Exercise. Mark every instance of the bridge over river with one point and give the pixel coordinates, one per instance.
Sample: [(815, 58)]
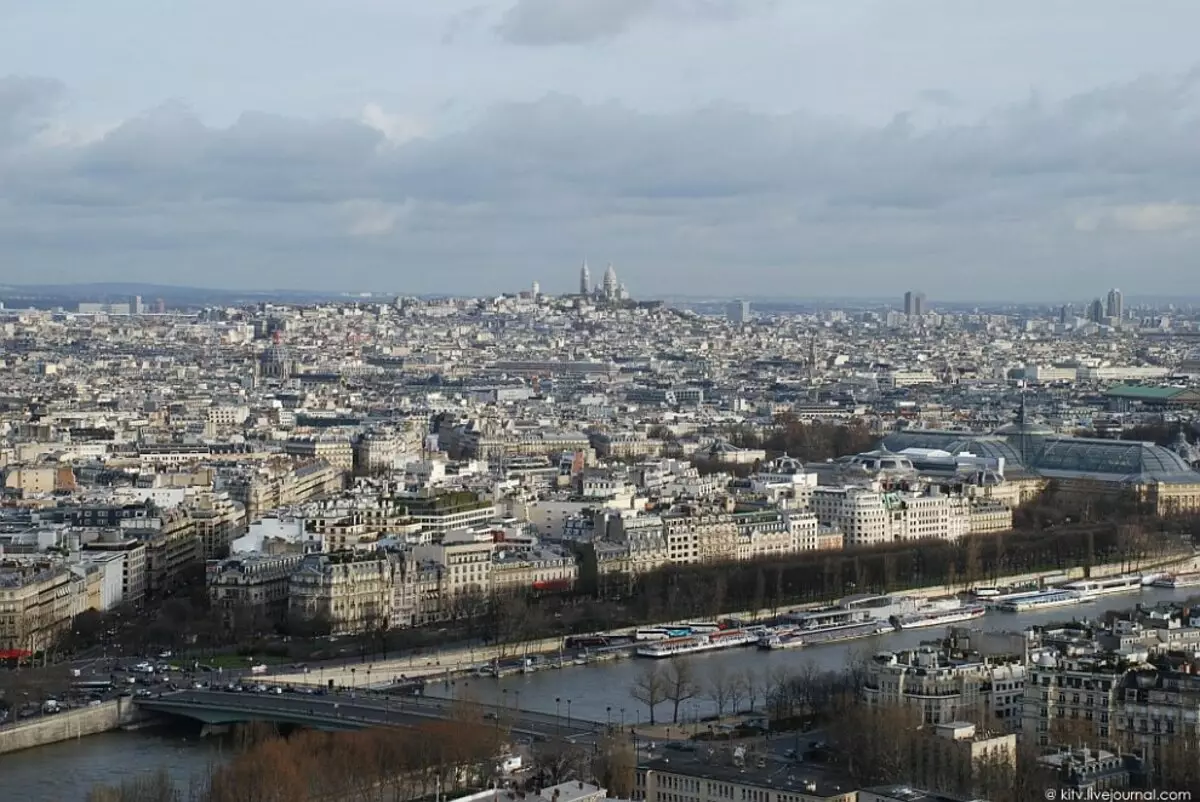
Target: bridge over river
[(357, 710)]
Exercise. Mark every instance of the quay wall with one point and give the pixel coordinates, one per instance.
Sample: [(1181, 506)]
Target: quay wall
[(49, 729)]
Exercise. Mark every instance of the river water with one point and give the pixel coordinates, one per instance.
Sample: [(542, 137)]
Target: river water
[(64, 772)]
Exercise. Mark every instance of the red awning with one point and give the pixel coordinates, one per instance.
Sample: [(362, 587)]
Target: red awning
[(14, 654)]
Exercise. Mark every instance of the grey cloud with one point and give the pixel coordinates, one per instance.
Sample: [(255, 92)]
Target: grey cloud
[(569, 22), (532, 186), (26, 104)]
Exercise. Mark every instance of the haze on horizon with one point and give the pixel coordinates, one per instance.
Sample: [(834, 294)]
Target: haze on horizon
[(1023, 150)]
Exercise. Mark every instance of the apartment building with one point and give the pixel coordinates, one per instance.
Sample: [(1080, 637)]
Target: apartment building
[(129, 554), (172, 549), (1065, 695), (697, 534), (865, 516), (437, 513), (341, 532), (736, 775), (624, 445), (1156, 707), (335, 450), (352, 591), (280, 483), (35, 604), (989, 515), (220, 417), (218, 521), (256, 585), (539, 568), (947, 689), (868, 515), (466, 566)]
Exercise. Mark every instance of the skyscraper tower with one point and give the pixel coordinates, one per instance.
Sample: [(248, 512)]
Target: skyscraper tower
[(610, 286), (585, 279), (1115, 304), (1096, 311), (914, 303)]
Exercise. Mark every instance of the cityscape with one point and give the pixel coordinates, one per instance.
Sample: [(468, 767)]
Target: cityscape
[(589, 400), (214, 498)]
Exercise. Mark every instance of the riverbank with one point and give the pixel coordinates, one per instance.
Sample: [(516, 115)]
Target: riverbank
[(457, 660), (70, 724)]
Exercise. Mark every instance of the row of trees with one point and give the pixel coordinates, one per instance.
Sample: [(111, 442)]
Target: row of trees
[(677, 681), (380, 765)]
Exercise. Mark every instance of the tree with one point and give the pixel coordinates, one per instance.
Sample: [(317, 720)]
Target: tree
[(681, 685), (156, 787), (615, 766), (719, 687), (650, 687), (753, 685), (737, 692)]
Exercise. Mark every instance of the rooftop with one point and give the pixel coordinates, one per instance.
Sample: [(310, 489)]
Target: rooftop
[(718, 764)]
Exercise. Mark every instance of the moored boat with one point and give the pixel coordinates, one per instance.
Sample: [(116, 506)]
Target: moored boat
[(692, 644), (1089, 588), (1040, 600), (936, 618), (1172, 581)]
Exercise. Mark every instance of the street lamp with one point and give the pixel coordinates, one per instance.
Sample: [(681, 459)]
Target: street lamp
[(608, 717), (557, 713), (352, 678), (568, 714)]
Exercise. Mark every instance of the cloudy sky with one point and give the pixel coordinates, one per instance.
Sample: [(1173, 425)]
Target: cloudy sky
[(1018, 150)]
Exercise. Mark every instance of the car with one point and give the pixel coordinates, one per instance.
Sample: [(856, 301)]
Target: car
[(144, 693), (490, 715)]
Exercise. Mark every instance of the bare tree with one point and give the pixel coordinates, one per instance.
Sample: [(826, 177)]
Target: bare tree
[(681, 685), (649, 687), (753, 685), (719, 687), (737, 692)]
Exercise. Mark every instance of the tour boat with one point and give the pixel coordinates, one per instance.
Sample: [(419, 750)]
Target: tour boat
[(1172, 581), (1039, 601), (937, 618), (1089, 588), (691, 644)]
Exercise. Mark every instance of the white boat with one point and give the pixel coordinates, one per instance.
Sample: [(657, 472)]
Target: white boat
[(1039, 601), (793, 638), (937, 618), (661, 633), (1089, 588), (691, 644), (1172, 581)]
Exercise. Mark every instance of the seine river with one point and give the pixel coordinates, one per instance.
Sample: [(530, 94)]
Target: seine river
[(64, 772)]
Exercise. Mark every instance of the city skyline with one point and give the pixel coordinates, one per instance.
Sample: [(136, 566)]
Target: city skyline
[(543, 140)]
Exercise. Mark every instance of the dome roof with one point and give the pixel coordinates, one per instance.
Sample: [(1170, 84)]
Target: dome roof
[(1025, 429), (276, 354)]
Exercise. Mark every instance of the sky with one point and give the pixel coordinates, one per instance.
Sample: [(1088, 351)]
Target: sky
[(1025, 150)]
